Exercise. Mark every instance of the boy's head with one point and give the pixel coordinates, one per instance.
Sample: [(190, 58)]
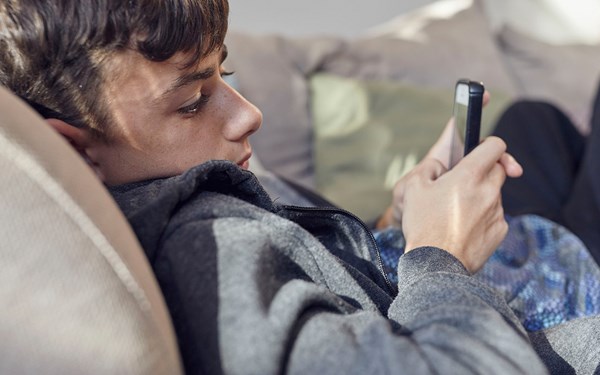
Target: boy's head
[(135, 85)]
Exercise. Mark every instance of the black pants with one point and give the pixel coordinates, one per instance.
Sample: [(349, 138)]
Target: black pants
[(561, 179)]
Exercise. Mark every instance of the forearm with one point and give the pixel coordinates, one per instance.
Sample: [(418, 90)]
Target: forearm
[(443, 321), (453, 324), (456, 320)]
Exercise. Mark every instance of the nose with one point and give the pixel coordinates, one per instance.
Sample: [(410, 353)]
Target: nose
[(245, 118)]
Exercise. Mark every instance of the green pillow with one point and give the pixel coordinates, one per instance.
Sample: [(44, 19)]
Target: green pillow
[(369, 133)]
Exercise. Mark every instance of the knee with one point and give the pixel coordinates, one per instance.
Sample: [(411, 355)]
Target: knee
[(534, 120), (527, 107), (532, 113)]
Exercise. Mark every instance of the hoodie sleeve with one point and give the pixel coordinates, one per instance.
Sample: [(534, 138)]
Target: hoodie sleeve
[(254, 302), (442, 321)]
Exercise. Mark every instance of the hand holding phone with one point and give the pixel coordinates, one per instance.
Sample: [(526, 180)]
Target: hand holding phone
[(468, 104)]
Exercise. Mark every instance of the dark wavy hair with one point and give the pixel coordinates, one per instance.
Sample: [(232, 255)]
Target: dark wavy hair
[(52, 51)]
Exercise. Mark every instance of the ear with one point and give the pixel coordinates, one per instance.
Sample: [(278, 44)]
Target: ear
[(76, 137), (79, 139)]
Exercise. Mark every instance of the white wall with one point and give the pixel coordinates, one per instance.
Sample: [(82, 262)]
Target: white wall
[(315, 17), (554, 21)]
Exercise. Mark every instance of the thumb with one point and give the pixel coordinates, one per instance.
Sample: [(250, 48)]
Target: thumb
[(441, 148), (432, 168)]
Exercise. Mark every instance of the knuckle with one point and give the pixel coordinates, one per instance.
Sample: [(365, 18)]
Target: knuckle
[(497, 142), (410, 182), (499, 169)]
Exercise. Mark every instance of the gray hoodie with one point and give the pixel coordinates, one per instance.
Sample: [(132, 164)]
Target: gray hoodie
[(254, 287)]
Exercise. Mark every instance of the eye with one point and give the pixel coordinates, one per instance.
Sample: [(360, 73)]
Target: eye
[(195, 107), (229, 78)]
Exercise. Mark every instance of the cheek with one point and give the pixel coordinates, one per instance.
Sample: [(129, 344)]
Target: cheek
[(201, 133), (200, 141)]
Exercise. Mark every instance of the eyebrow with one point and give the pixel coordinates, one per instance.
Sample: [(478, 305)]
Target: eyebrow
[(190, 78)]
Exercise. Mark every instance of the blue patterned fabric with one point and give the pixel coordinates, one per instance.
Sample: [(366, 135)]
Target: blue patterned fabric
[(544, 271)]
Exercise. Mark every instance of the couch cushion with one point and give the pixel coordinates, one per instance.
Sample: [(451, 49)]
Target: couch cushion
[(271, 72), (77, 293), (433, 46), (566, 75), (550, 21)]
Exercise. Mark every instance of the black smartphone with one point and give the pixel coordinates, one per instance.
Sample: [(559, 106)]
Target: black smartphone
[(468, 104)]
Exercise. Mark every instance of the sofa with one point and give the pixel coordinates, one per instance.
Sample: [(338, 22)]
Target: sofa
[(348, 117), (77, 292), (343, 117)]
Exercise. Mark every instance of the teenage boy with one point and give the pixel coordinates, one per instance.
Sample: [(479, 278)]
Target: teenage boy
[(253, 287)]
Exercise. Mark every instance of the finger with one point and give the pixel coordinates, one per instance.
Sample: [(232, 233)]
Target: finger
[(497, 176), (484, 156), (441, 148), (486, 97), (448, 131), (432, 169), (511, 165)]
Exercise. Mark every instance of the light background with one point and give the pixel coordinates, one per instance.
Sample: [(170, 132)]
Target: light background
[(309, 17), (552, 21)]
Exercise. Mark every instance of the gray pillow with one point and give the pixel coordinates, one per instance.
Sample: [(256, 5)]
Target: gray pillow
[(271, 72), (461, 46), (566, 75)]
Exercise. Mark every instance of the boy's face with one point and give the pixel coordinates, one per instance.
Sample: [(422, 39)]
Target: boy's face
[(169, 120)]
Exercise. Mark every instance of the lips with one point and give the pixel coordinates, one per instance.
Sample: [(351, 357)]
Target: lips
[(245, 161)]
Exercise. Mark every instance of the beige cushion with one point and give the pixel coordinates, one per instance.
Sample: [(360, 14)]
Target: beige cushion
[(76, 291)]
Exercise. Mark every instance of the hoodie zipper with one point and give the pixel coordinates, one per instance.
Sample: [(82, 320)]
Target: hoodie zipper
[(362, 224)]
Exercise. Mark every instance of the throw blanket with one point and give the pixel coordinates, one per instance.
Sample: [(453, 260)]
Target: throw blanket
[(544, 271)]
